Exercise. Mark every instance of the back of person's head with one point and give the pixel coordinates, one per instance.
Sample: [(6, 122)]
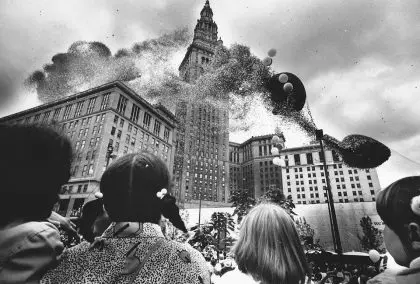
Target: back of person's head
[(130, 189), (91, 211), (398, 205), (268, 247), (35, 163)]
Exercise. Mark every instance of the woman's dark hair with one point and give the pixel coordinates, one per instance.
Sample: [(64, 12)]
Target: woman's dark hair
[(129, 186), (90, 212), (394, 205), (35, 163)]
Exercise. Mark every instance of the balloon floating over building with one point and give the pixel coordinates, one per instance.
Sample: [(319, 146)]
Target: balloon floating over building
[(287, 96)]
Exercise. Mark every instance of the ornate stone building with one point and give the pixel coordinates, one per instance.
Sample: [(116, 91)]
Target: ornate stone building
[(201, 167)]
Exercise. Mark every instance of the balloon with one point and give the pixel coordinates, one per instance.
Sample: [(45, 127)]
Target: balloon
[(276, 161), (374, 256), (359, 151), (275, 139), (272, 52), (280, 96), (267, 61), (275, 151), (283, 78), (288, 87), (282, 163)]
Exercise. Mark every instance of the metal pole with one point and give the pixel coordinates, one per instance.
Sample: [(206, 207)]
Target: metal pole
[(336, 233), (199, 211)]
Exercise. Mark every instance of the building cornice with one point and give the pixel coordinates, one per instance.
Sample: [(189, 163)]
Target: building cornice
[(105, 87)]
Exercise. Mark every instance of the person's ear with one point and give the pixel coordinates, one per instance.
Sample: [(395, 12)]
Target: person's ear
[(414, 235)]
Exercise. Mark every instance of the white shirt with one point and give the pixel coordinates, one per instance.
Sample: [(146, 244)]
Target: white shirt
[(236, 276)]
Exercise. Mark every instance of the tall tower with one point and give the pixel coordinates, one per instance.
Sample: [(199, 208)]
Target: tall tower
[(201, 166)]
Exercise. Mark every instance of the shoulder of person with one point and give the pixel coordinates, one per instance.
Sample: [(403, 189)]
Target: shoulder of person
[(185, 253), (34, 235), (188, 262)]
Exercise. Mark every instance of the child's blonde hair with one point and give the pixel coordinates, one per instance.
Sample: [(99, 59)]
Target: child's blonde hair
[(269, 248)]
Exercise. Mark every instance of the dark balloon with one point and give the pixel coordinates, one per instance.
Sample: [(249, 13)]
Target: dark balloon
[(359, 151), (291, 98)]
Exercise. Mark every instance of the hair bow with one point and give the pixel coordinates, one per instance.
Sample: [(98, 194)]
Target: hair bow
[(162, 193)]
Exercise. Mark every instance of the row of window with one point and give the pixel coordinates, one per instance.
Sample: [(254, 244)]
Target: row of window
[(134, 116)]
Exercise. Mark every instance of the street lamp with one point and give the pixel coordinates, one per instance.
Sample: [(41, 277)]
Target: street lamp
[(109, 154)]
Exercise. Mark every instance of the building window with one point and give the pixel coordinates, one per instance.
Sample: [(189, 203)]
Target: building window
[(146, 120), (297, 159), (84, 171), (156, 129), (122, 104), (91, 105), (57, 114), (309, 159), (116, 119), (67, 111), (119, 134), (113, 129), (79, 107), (90, 172), (135, 111), (321, 158), (36, 118), (46, 116), (105, 101), (369, 178), (336, 157)]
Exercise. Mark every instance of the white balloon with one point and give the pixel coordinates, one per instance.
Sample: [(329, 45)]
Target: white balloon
[(374, 255), (276, 161), (274, 151), (288, 87), (282, 163), (283, 78)]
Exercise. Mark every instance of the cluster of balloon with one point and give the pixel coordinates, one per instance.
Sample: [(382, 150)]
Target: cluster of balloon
[(287, 92), (288, 96), (359, 151)]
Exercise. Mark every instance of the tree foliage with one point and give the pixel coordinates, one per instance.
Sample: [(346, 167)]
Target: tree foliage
[(242, 201), (306, 235), (213, 233), (276, 196), (372, 237)]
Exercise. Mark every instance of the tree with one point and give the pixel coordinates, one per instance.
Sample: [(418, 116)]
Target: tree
[(372, 237), (202, 236), (242, 201), (277, 196), (306, 235), (220, 224)]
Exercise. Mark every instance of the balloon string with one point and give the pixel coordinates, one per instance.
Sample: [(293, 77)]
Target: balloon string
[(405, 157)]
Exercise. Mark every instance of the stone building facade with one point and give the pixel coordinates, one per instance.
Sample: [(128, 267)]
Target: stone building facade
[(201, 166), (251, 165), (108, 115)]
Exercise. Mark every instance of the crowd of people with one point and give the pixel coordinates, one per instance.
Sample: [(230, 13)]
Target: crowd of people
[(122, 241)]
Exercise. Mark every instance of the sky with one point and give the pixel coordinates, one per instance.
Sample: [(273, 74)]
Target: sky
[(359, 60)]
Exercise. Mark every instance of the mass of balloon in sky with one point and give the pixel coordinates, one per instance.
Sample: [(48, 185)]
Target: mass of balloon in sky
[(233, 80)]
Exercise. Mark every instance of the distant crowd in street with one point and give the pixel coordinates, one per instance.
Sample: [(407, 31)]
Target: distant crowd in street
[(121, 236)]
